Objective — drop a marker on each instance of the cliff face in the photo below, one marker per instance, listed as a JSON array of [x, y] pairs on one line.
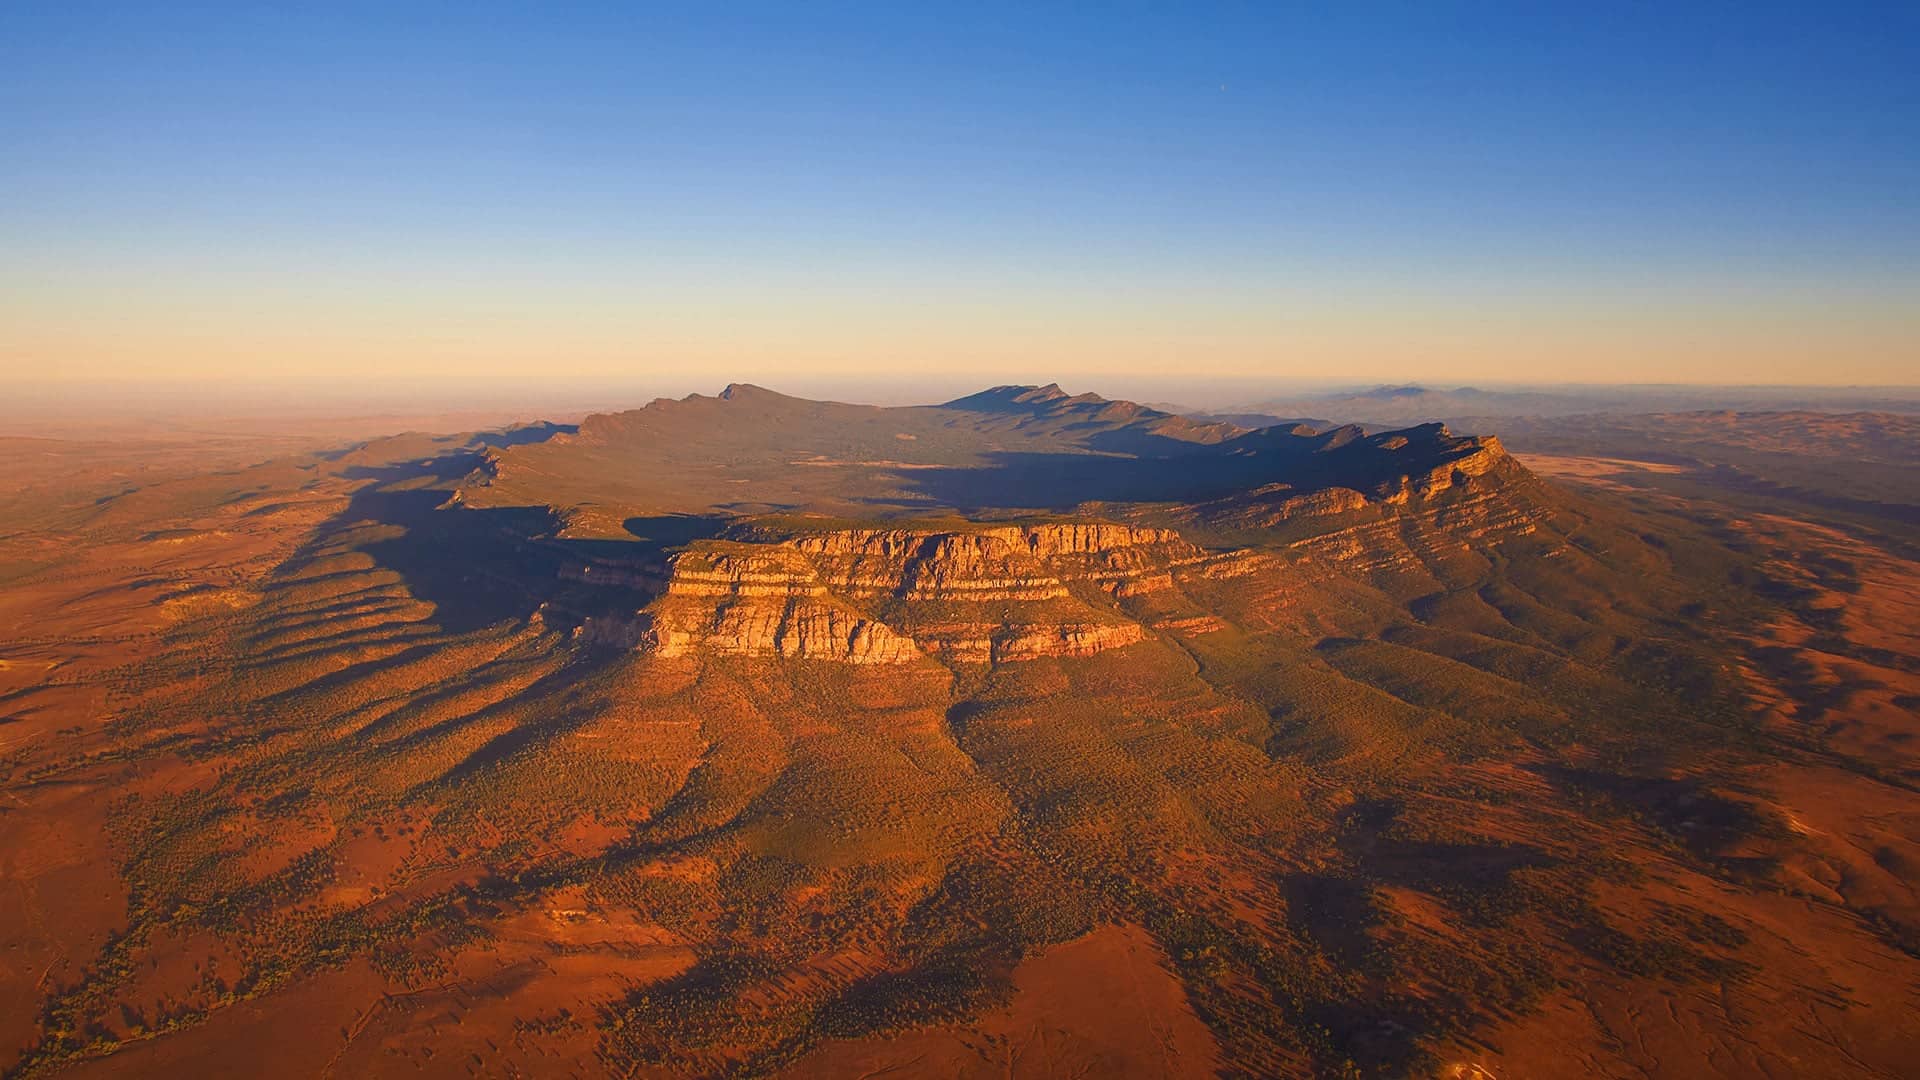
[[1017, 592], [987, 595], [760, 600], [791, 627], [1025, 563]]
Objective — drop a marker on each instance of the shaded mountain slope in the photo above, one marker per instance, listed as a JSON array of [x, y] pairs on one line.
[[1015, 448]]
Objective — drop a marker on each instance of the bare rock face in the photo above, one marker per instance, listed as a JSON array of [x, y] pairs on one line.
[[1008, 593], [987, 595], [760, 600], [742, 570], [1032, 642], [938, 566], [1023, 563], [795, 627]]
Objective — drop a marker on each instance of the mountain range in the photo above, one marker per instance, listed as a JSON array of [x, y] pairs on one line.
[[1028, 733]]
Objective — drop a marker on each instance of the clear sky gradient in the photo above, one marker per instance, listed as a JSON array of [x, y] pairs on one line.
[[1606, 192]]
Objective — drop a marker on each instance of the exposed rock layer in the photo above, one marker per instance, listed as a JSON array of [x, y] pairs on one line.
[[1006, 593]]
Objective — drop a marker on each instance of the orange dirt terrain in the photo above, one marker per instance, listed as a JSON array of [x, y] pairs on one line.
[[1029, 734]]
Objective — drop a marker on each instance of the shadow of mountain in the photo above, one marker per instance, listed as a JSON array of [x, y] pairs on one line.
[[1144, 444], [450, 466], [1706, 823], [661, 532], [521, 436], [480, 567], [477, 567], [1042, 481], [415, 445], [563, 711]]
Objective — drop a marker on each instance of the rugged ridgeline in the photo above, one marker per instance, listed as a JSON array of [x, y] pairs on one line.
[[895, 595], [1006, 593], [1457, 493]]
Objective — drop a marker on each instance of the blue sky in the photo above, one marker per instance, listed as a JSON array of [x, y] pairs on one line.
[[1723, 194]]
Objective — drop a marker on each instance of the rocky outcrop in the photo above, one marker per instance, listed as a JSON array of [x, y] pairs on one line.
[[1277, 503], [929, 566], [792, 626], [1083, 639], [742, 570], [988, 595], [756, 600], [1485, 457], [1023, 562], [1005, 593]]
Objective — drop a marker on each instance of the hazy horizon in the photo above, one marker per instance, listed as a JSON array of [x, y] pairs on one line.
[[360, 407]]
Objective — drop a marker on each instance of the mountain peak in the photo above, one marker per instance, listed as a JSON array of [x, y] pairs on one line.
[[1017, 397]]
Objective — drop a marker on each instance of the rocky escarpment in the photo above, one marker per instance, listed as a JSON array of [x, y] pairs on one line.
[[1409, 535], [1015, 592], [1402, 510], [1480, 458], [892, 595], [1024, 562], [761, 600]]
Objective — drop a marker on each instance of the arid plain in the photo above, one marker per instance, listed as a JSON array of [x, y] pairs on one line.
[[1029, 734]]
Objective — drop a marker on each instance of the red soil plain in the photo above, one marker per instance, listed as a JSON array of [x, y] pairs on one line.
[[1030, 735]]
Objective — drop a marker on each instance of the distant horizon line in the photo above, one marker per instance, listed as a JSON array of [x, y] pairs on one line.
[[410, 382]]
